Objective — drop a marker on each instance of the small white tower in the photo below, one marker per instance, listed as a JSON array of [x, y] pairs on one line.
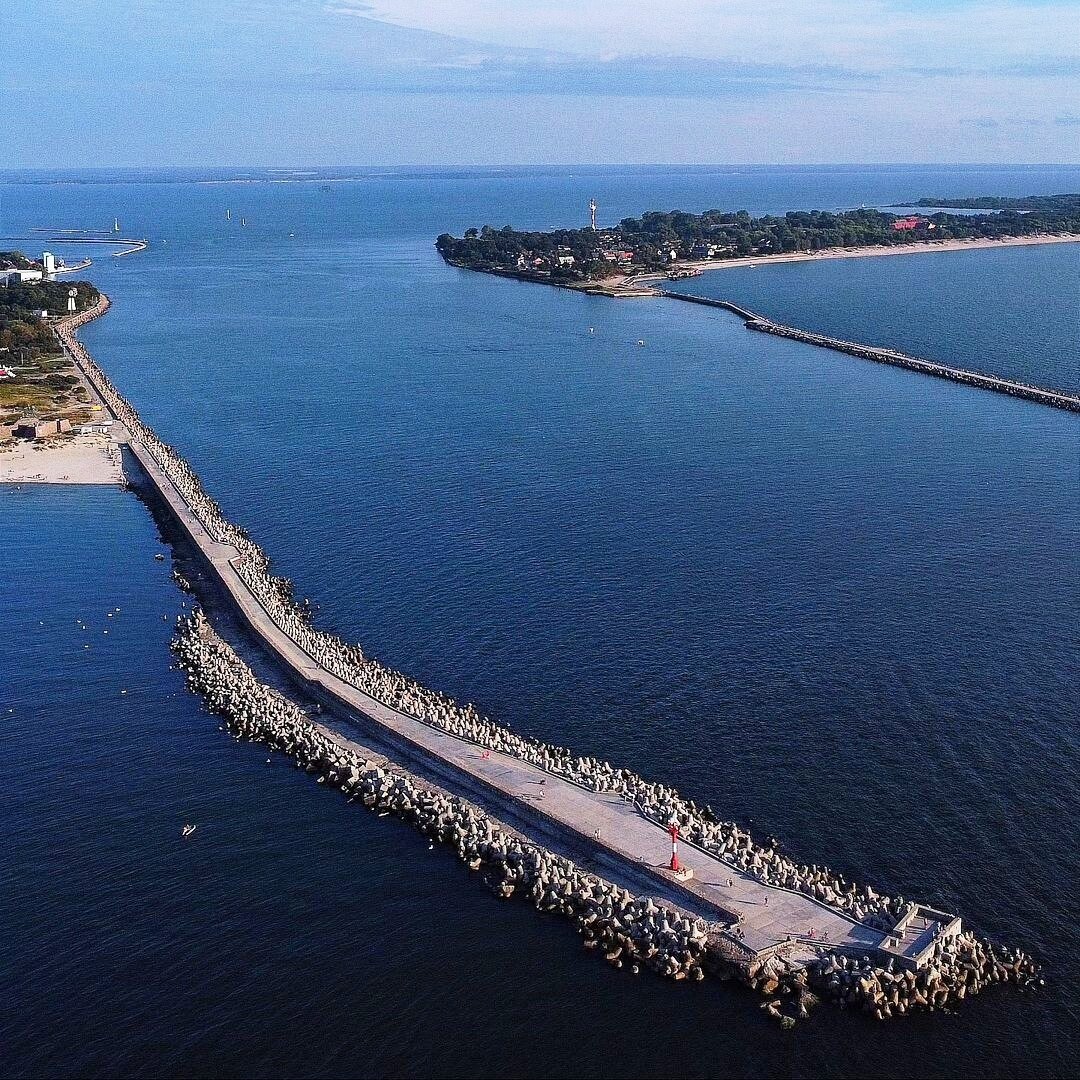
[[72, 293], [48, 259], [592, 214]]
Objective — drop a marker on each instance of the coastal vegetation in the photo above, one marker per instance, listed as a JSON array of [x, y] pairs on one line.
[[661, 240], [35, 375], [1054, 203]]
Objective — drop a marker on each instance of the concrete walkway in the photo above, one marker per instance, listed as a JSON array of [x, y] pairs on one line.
[[603, 823]]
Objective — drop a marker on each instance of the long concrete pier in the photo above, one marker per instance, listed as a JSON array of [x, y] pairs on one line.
[[764, 916], [595, 836], [756, 918], [1055, 398]]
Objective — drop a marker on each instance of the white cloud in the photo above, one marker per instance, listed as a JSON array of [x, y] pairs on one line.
[[870, 35], [509, 81]]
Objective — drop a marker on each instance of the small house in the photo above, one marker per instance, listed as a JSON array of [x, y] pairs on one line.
[[33, 427], [95, 427]]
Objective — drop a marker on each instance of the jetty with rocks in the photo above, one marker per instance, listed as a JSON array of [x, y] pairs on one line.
[[578, 835], [1057, 399]]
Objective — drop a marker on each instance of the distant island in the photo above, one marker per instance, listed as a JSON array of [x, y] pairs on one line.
[[1056, 203], [678, 244]]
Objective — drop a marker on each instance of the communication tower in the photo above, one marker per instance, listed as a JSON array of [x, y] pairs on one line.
[[592, 214]]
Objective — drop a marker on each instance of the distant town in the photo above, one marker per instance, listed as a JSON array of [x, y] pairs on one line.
[[678, 244]]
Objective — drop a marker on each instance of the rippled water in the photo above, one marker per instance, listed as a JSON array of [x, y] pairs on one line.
[[834, 598]]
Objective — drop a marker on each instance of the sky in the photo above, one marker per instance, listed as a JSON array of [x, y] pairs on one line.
[[515, 82]]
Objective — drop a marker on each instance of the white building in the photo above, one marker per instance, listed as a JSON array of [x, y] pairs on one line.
[[18, 277], [96, 427]]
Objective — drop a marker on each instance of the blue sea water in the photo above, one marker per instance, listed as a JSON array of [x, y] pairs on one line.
[[837, 599], [945, 306]]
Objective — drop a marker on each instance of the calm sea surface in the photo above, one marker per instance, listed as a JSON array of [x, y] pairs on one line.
[[834, 598]]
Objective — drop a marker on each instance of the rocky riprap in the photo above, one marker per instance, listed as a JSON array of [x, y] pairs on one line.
[[631, 931], [961, 967]]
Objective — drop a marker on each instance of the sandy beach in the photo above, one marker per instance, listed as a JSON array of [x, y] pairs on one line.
[[80, 459], [636, 280]]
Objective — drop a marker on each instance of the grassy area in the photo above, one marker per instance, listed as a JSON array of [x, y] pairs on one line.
[[26, 394], [43, 381]]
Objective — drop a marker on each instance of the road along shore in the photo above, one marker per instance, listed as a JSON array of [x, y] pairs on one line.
[[791, 930]]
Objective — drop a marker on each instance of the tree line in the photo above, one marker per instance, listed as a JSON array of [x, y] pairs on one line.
[[652, 238], [22, 330]]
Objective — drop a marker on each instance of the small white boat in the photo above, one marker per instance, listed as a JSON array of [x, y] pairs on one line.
[[641, 341], [187, 830]]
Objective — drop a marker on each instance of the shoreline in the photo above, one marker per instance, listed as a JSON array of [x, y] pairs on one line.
[[88, 459], [636, 284]]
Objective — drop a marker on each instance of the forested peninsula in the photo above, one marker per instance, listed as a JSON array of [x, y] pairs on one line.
[[1055, 203], [678, 243]]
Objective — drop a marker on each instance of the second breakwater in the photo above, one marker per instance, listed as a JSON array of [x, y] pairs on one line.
[[396, 699], [1041, 395]]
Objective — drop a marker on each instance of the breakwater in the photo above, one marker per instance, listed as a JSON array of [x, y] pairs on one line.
[[1055, 398], [128, 244], [795, 915], [630, 929]]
